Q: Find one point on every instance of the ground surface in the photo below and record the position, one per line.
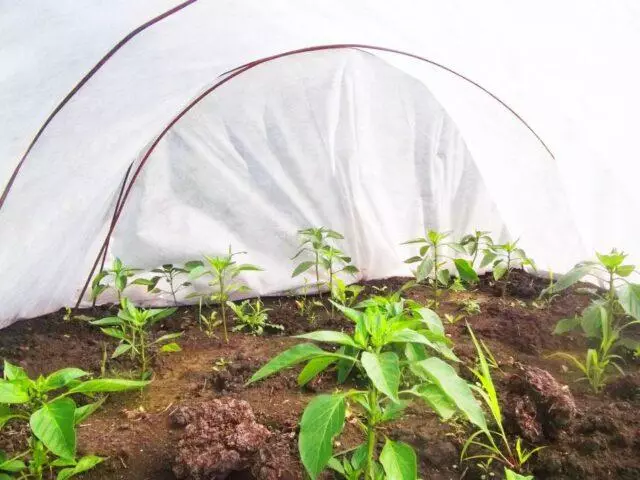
(135, 431)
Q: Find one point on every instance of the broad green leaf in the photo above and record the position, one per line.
(82, 413)
(301, 268)
(629, 298)
(436, 399)
(329, 336)
(107, 322)
(62, 377)
(415, 259)
(445, 377)
(84, 464)
(566, 325)
(465, 270)
(113, 332)
(511, 475)
(431, 319)
(13, 466)
(351, 313)
(171, 347)
(383, 370)
(424, 269)
(625, 270)
(294, 355)
(499, 270)
(121, 349)
(611, 260)
(13, 372)
(12, 392)
(4, 476)
(5, 415)
(321, 422)
(344, 366)
(108, 385)
(54, 425)
(592, 318)
(571, 277)
(314, 368)
(444, 277)
(399, 461)
(488, 258)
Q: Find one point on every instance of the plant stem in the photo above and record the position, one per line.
(318, 273)
(143, 352)
(223, 298)
(173, 292)
(371, 434)
(435, 271)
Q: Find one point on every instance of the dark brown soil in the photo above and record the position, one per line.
(135, 431)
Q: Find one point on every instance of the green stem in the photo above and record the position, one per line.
(223, 306)
(318, 273)
(436, 259)
(143, 352)
(371, 434)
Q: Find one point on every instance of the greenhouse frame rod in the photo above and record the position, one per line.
(231, 74)
(80, 84)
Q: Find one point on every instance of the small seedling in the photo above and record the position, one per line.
(470, 306)
(504, 258)
(252, 317)
(171, 275)
(131, 327)
(493, 445)
(47, 406)
(345, 295)
(221, 364)
(225, 273)
(116, 278)
(432, 258)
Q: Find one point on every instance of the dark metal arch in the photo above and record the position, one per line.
(80, 84)
(233, 73)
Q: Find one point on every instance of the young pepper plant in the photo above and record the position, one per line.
(131, 327)
(47, 406)
(504, 258)
(224, 272)
(171, 275)
(606, 317)
(474, 243)
(253, 317)
(432, 258)
(117, 277)
(383, 350)
(318, 243)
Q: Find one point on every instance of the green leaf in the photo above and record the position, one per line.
(322, 420)
(107, 322)
(415, 259)
(54, 425)
(13, 466)
(297, 354)
(488, 258)
(5, 415)
(329, 336)
(570, 278)
(511, 475)
(499, 270)
(62, 377)
(399, 461)
(566, 325)
(171, 347)
(314, 368)
(13, 372)
(465, 270)
(121, 349)
(629, 298)
(82, 413)
(445, 377)
(108, 385)
(436, 399)
(383, 370)
(168, 336)
(592, 319)
(424, 269)
(431, 319)
(12, 392)
(84, 464)
(444, 277)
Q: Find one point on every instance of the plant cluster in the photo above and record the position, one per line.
(392, 340)
(131, 327)
(47, 406)
(606, 318)
(253, 317)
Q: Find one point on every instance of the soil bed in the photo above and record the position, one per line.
(137, 434)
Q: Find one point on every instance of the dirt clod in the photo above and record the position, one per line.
(220, 437)
(537, 405)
